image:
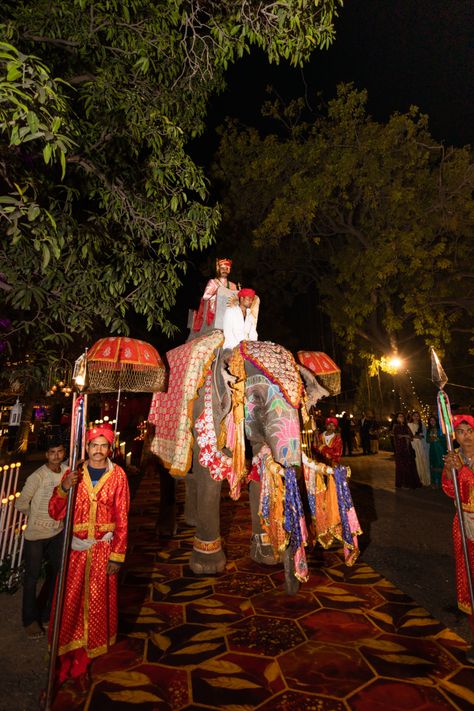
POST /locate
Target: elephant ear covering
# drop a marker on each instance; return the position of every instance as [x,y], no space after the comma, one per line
[278,365]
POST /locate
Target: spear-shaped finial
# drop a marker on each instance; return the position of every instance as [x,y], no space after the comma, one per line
[438,376]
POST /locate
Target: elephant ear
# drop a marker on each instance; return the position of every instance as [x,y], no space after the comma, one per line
[314,391]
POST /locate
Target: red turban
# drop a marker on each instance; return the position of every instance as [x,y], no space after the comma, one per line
[246,292]
[224,262]
[457,419]
[104,430]
[333,420]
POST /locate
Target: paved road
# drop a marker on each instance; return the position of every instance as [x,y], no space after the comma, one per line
[407,536]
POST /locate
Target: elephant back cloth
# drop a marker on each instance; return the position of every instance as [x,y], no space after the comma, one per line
[171,412]
[278,365]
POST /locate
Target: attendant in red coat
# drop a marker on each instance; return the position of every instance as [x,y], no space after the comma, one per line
[328,445]
[89,620]
[463,461]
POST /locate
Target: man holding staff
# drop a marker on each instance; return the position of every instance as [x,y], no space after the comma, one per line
[462,460]
[89,618]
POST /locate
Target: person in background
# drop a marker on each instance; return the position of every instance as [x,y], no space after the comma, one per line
[43,537]
[374,436]
[418,443]
[89,618]
[328,444]
[365,425]
[406,475]
[346,435]
[437,449]
[462,460]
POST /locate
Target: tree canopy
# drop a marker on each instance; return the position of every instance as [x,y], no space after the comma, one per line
[100,202]
[377,218]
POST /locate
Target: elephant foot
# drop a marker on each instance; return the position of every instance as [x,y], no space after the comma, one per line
[292,584]
[207,557]
[261,551]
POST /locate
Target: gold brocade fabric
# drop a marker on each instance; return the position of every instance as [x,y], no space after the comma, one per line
[328,520]
[89,617]
[272,500]
[237,368]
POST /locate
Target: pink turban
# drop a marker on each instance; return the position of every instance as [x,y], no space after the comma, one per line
[333,420]
[103,430]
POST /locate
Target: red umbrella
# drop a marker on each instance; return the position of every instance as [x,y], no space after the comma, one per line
[324,367]
[118,363]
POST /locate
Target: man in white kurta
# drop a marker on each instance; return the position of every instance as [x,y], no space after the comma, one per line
[239,321]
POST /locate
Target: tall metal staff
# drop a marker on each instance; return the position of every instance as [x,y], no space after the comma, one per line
[439,378]
[78,428]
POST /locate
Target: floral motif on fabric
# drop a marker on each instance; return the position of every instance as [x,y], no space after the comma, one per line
[278,365]
[172,412]
[219,464]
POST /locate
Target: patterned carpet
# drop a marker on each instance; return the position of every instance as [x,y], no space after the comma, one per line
[348,640]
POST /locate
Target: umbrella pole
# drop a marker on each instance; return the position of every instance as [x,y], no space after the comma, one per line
[117,411]
[78,427]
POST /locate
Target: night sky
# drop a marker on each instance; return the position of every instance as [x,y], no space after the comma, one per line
[403,52]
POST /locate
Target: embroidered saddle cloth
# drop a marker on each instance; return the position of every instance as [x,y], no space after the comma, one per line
[172,412]
[278,365]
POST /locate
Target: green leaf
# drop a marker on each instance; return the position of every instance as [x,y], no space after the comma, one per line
[33,212]
[47,151]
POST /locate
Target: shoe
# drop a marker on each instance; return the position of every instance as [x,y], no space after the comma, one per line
[470,655]
[34,631]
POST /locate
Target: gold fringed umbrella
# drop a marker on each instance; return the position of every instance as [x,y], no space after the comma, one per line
[124,364]
[119,363]
[329,374]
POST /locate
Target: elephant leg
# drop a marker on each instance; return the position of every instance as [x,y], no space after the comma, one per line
[190,500]
[292,584]
[261,550]
[207,557]
[167,525]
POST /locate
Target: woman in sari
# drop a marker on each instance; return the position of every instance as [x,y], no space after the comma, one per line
[437,449]
[406,475]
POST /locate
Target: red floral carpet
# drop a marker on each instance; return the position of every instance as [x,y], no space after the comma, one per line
[348,640]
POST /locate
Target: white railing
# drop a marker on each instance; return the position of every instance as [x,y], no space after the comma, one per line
[12,522]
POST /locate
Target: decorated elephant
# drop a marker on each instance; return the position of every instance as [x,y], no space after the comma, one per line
[215,398]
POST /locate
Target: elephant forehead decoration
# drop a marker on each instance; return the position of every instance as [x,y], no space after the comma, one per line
[281,421]
[278,365]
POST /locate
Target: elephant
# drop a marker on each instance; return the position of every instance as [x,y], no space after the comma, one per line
[270,422]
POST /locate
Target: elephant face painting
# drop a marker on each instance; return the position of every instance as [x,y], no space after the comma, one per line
[270,419]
